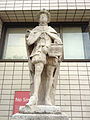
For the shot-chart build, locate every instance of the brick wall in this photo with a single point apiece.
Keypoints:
(72, 91)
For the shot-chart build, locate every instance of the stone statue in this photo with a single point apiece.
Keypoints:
(44, 48)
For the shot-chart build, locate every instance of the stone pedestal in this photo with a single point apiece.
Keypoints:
(42, 113)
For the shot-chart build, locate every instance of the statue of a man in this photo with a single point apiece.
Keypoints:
(43, 47)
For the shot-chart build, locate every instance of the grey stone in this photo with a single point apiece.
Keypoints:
(42, 112)
(44, 49)
(41, 109)
(19, 116)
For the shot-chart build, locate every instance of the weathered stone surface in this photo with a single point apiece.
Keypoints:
(41, 109)
(42, 113)
(44, 48)
(19, 116)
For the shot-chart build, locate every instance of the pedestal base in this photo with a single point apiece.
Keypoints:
(19, 116)
(40, 109)
(42, 113)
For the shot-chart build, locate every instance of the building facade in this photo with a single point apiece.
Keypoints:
(71, 19)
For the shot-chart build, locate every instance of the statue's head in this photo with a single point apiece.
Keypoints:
(44, 16)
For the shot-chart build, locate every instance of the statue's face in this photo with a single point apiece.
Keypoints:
(43, 18)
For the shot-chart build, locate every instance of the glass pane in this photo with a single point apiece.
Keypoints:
(86, 42)
(15, 47)
(73, 43)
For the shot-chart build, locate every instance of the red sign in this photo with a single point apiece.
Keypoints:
(20, 99)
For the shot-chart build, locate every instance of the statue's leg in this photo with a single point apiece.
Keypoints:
(50, 73)
(37, 80)
(37, 77)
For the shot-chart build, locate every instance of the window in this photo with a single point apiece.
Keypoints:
(15, 47)
(76, 43)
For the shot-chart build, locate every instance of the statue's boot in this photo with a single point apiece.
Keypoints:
(32, 101)
(48, 101)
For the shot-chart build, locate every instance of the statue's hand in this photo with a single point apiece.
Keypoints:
(45, 49)
(57, 42)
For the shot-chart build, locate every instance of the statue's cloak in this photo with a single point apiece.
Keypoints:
(37, 31)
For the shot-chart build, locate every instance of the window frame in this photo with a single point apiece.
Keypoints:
(74, 24)
(3, 36)
(33, 24)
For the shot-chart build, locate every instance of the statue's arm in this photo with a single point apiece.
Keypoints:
(54, 37)
(58, 41)
(32, 36)
(56, 46)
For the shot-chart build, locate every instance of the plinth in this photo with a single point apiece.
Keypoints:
(41, 113)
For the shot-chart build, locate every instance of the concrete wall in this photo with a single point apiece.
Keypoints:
(61, 10)
(72, 92)
(39, 4)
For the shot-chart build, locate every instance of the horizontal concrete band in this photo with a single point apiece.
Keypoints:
(58, 15)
